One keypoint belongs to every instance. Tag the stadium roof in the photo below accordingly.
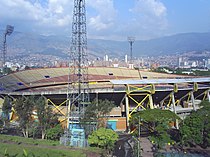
(160, 81)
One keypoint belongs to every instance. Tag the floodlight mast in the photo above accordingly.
(78, 75)
(131, 41)
(8, 32)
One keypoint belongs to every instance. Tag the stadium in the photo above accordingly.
(131, 90)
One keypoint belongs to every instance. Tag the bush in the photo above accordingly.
(54, 133)
(103, 138)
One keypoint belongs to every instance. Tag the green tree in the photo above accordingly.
(103, 138)
(6, 108)
(195, 128)
(97, 112)
(24, 107)
(6, 70)
(157, 123)
(54, 133)
(45, 115)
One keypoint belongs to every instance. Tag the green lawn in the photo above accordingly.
(14, 146)
(19, 140)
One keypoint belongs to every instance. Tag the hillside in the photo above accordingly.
(24, 44)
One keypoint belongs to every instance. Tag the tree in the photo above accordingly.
(54, 133)
(24, 107)
(6, 108)
(195, 128)
(103, 138)
(97, 112)
(45, 115)
(6, 71)
(157, 123)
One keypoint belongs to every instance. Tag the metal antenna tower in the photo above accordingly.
(78, 75)
(131, 41)
(8, 31)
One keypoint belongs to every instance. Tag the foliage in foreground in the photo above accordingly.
(15, 150)
(55, 132)
(34, 116)
(195, 129)
(6, 109)
(24, 109)
(103, 138)
(157, 123)
(14, 146)
(46, 118)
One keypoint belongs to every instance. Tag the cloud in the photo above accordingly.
(104, 20)
(150, 7)
(55, 16)
(105, 14)
(149, 18)
(146, 19)
(52, 14)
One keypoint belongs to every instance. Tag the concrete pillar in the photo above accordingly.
(177, 124)
(193, 100)
(208, 95)
(151, 102)
(127, 113)
(173, 102)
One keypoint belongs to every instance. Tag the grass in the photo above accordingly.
(15, 146)
(17, 150)
(20, 140)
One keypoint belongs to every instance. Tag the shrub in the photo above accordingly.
(55, 132)
(103, 138)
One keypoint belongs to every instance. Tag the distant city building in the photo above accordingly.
(106, 58)
(194, 64)
(126, 58)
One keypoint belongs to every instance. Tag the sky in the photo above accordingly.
(108, 19)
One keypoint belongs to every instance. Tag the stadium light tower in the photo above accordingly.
(131, 41)
(8, 32)
(78, 88)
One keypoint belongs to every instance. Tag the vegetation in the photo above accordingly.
(27, 108)
(11, 146)
(157, 123)
(202, 73)
(195, 128)
(103, 138)
(6, 71)
(46, 118)
(24, 108)
(55, 132)
(182, 71)
(6, 108)
(98, 112)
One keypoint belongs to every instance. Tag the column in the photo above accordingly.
(208, 95)
(127, 113)
(193, 100)
(151, 102)
(173, 102)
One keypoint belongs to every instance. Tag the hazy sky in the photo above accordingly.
(109, 19)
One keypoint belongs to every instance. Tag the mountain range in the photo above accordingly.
(25, 44)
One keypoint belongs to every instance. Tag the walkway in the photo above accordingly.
(146, 147)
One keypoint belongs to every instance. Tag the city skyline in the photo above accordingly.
(109, 19)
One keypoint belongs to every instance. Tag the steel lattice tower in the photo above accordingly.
(131, 41)
(78, 89)
(8, 32)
